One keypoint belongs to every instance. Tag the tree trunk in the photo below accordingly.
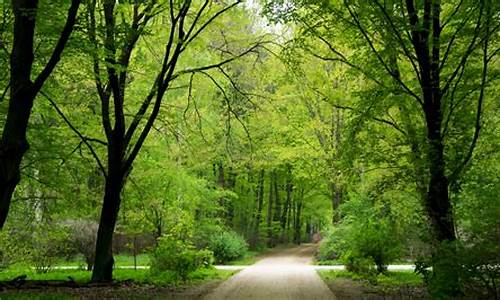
(336, 195)
(438, 201)
(23, 91)
(270, 242)
(103, 266)
(298, 222)
(14, 145)
(258, 215)
(277, 203)
(285, 217)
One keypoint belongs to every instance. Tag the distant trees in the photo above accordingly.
(427, 70)
(433, 55)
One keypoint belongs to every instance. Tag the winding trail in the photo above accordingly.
(287, 274)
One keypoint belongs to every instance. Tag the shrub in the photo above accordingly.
(178, 258)
(8, 249)
(47, 245)
(227, 246)
(329, 248)
(82, 239)
(39, 247)
(458, 269)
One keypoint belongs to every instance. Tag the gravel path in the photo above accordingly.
(282, 275)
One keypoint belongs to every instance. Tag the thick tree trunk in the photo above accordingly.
(103, 266)
(438, 203)
(23, 91)
(14, 145)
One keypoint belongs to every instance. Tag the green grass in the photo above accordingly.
(338, 262)
(249, 258)
(389, 279)
(120, 261)
(334, 262)
(137, 276)
(140, 277)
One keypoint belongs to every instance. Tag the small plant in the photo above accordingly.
(46, 246)
(227, 246)
(177, 258)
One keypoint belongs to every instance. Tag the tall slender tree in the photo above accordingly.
(185, 21)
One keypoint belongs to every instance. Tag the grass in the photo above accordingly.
(328, 262)
(141, 289)
(338, 262)
(137, 276)
(389, 279)
(249, 258)
(120, 261)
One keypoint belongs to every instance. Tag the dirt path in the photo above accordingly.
(285, 274)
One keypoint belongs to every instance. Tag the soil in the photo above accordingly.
(124, 290)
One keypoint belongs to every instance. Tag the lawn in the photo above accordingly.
(139, 276)
(349, 285)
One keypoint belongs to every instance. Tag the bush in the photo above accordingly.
(39, 247)
(227, 246)
(458, 269)
(329, 247)
(8, 249)
(47, 245)
(82, 239)
(177, 259)
(368, 236)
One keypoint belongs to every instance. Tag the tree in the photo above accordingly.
(23, 91)
(434, 55)
(186, 21)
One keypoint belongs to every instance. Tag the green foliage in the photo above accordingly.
(475, 268)
(174, 258)
(363, 239)
(40, 249)
(45, 247)
(227, 246)
(399, 278)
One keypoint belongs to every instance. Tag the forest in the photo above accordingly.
(178, 136)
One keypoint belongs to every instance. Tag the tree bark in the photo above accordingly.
(103, 266)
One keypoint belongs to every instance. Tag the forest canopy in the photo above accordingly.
(196, 129)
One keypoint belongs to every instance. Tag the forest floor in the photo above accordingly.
(285, 274)
(281, 273)
(128, 284)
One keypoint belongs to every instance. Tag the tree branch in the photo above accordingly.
(58, 49)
